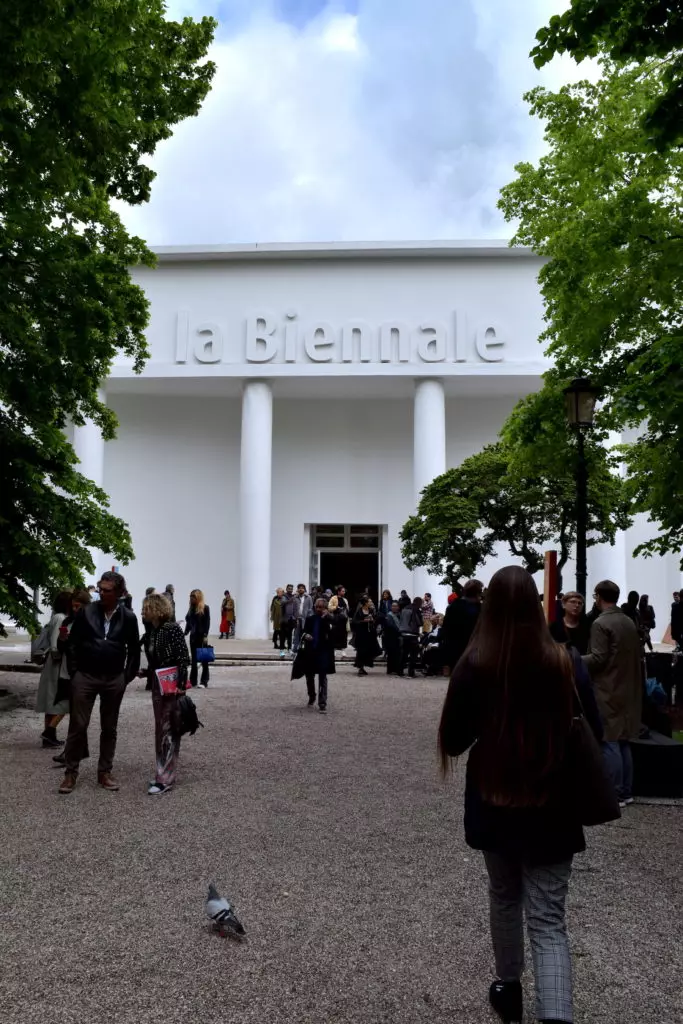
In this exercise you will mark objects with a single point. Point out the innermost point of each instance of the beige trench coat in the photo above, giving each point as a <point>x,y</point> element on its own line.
<point>615,666</point>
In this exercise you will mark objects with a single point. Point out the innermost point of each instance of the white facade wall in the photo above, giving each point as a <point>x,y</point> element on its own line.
<point>173,475</point>
<point>340,338</point>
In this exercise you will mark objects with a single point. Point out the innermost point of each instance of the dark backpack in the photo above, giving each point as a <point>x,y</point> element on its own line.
<point>187,716</point>
<point>40,645</point>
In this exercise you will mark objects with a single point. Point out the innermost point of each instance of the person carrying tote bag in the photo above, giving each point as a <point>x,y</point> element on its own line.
<point>166,649</point>
<point>518,700</point>
<point>197,626</point>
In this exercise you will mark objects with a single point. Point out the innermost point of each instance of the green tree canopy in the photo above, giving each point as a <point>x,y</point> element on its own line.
<point>607,212</point>
<point>626,31</point>
<point>87,91</point>
<point>517,494</point>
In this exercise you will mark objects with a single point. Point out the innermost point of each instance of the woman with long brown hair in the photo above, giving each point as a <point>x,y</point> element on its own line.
<point>512,699</point>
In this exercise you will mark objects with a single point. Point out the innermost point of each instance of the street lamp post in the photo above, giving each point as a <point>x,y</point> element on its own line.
<point>580,398</point>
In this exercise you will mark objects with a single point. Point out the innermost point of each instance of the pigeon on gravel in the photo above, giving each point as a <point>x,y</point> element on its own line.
<point>222,914</point>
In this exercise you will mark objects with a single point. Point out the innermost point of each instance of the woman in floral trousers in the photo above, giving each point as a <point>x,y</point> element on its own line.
<point>165,648</point>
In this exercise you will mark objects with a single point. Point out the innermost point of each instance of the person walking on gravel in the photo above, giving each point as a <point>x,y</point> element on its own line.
<point>512,698</point>
<point>315,656</point>
<point>104,656</point>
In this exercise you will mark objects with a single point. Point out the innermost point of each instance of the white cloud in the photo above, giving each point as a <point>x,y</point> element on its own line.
<point>402,120</point>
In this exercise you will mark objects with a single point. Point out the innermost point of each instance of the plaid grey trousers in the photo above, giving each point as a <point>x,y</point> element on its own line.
<point>540,891</point>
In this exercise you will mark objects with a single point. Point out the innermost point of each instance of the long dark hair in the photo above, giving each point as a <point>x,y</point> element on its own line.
<point>526,684</point>
<point>643,604</point>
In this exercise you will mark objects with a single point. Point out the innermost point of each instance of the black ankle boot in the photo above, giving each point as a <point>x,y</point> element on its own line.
<point>506,999</point>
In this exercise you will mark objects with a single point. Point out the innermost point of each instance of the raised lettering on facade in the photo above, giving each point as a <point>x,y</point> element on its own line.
<point>266,337</point>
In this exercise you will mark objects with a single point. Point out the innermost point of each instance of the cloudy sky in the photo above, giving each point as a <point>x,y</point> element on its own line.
<point>351,120</point>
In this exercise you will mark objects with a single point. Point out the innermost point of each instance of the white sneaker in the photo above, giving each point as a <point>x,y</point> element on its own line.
<point>629,800</point>
<point>157,788</point>
<point>622,804</point>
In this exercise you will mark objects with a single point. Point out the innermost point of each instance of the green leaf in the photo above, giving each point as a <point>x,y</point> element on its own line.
<point>86,92</point>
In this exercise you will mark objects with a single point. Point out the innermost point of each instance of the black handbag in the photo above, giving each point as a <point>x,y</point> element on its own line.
<point>592,793</point>
<point>187,719</point>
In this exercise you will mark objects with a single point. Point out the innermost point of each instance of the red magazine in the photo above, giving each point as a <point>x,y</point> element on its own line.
<point>168,680</point>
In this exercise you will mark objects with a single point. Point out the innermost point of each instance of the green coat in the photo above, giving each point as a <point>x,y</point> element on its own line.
<point>614,662</point>
<point>276,612</point>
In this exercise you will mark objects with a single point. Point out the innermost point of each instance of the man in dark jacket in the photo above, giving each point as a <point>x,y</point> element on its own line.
<point>305,609</point>
<point>288,618</point>
<point>316,656</point>
<point>103,655</point>
<point>459,622</point>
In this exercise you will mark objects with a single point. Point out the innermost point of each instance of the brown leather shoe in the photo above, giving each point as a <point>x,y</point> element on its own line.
<point>107,781</point>
<point>68,783</point>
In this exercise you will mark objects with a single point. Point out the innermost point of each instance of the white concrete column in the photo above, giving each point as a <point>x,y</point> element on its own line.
<point>255,513</point>
<point>429,461</point>
<point>88,445</point>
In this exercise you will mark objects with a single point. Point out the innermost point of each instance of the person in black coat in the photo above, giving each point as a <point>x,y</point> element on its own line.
<point>459,622</point>
<point>315,656</point>
<point>197,625</point>
<point>391,639</point>
<point>365,636</point>
<point>512,699</point>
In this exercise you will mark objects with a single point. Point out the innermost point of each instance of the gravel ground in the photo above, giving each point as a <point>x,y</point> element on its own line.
<point>344,855</point>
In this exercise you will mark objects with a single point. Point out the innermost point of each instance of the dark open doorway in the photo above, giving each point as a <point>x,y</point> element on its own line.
<point>354,570</point>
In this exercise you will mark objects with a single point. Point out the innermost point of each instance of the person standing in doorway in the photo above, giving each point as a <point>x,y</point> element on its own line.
<point>411,624</point>
<point>459,622</point>
<point>316,654</point>
<point>511,700</point>
<point>342,601</point>
<point>385,603</point>
<point>276,615</point>
<point>46,701</point>
<point>647,620</point>
<point>305,609</point>
<point>104,656</point>
<point>197,625</point>
<point>169,594</point>
<point>340,623</point>
<point>227,616</point>
<point>365,636</point>
<point>614,663</point>
<point>289,615</point>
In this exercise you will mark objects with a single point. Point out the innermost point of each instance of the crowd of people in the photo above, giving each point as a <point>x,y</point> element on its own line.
<point>516,693</point>
<point>92,648</point>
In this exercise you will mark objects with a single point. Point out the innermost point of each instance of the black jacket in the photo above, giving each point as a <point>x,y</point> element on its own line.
<point>104,657</point>
<point>537,835</point>
<point>577,637</point>
<point>458,626</point>
<point>165,647</point>
<point>315,656</point>
<point>198,624</point>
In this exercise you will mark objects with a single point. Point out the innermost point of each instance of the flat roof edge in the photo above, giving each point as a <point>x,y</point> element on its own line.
<point>476,249</point>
